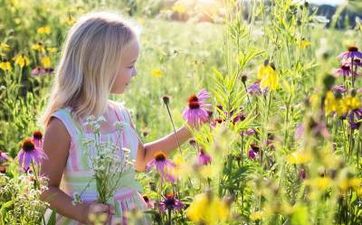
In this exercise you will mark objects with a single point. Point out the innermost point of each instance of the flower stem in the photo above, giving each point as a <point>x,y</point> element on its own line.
<point>174,128</point>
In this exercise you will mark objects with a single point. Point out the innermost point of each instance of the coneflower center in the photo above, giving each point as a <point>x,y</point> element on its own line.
<point>353,49</point>
<point>344,67</point>
<point>160,157</point>
<point>194,102</point>
<point>28,145</point>
<point>37,135</point>
<point>170,201</point>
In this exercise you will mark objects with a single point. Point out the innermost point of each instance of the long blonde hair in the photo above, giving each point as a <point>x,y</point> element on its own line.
<point>90,59</point>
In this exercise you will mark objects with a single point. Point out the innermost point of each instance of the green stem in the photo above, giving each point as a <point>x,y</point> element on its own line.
<point>174,128</point>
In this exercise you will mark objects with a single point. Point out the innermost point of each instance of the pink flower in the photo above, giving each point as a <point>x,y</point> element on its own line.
<point>162,165</point>
<point>344,71</point>
<point>204,158</point>
<point>30,153</point>
<point>197,111</point>
<point>3,157</point>
<point>253,151</point>
<point>150,204</point>
<point>39,71</point>
<point>170,202</point>
<point>38,139</point>
<point>351,53</point>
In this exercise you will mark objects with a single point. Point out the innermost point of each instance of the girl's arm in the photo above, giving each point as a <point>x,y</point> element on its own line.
<point>56,146</point>
<point>166,144</point>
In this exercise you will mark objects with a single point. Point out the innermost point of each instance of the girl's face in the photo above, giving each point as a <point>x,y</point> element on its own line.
<point>127,69</point>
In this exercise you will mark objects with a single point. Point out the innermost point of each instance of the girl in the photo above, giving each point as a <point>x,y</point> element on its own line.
<point>98,59</point>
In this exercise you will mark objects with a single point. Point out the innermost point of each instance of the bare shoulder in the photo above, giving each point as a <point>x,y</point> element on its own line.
<point>56,134</point>
<point>56,145</point>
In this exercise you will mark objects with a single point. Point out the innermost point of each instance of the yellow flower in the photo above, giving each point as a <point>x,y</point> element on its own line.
<point>320,183</point>
<point>69,20</point>
<point>304,43</point>
<point>207,209</point>
<point>179,8</point>
<point>299,157</point>
<point>21,60</point>
<point>351,103</point>
<point>4,47</point>
<point>44,30</point>
<point>330,103</point>
<point>157,72</point>
<point>268,76</point>
<point>258,215</point>
<point>38,47</point>
<point>5,66</point>
<point>52,49</point>
<point>46,62</point>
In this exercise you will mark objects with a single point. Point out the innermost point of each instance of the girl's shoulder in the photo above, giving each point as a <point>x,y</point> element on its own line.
<point>64,115</point>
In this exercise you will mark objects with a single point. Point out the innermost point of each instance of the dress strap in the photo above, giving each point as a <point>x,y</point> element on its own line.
<point>65,116</point>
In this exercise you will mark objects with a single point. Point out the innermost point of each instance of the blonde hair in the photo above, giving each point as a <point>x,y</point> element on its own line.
<point>88,65</point>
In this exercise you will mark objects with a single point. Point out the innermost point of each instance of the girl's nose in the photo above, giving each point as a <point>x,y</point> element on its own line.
<point>134,73</point>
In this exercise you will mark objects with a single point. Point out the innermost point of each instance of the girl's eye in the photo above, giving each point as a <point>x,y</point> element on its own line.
<point>130,67</point>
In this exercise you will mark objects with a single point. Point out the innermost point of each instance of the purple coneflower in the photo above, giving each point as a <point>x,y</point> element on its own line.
<point>357,62</point>
<point>248,132</point>
<point>3,157</point>
<point>240,117</point>
<point>344,71</point>
<point>351,53</point>
<point>162,165</point>
<point>299,130</point>
<point>339,89</point>
<point>30,153</point>
<point>254,89</point>
<point>39,71</point>
<point>38,139</point>
<point>150,203</point>
<point>170,202</point>
<point>354,118</point>
<point>253,151</point>
<point>204,158</point>
<point>197,111</point>
<point>302,174</point>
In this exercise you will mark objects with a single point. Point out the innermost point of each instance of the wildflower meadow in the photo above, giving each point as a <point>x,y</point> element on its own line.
<point>271,91</point>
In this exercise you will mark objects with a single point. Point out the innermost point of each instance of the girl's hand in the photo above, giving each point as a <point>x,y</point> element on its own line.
<point>97,213</point>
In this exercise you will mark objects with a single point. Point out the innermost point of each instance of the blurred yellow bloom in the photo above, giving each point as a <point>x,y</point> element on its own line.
<point>70,20</point>
<point>38,47</point>
<point>320,183</point>
<point>351,103</point>
<point>179,8</point>
<point>44,30</point>
<point>4,47</point>
<point>141,21</point>
<point>304,43</point>
<point>354,183</point>
<point>21,60</point>
<point>182,167</point>
<point>340,106</point>
<point>46,62</point>
<point>258,215</point>
<point>299,157</point>
<point>52,49</point>
<point>5,66</point>
<point>157,72</point>
<point>268,76</point>
<point>207,209</point>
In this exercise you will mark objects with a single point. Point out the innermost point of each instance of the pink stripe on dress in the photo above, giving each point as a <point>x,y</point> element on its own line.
<point>73,156</point>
